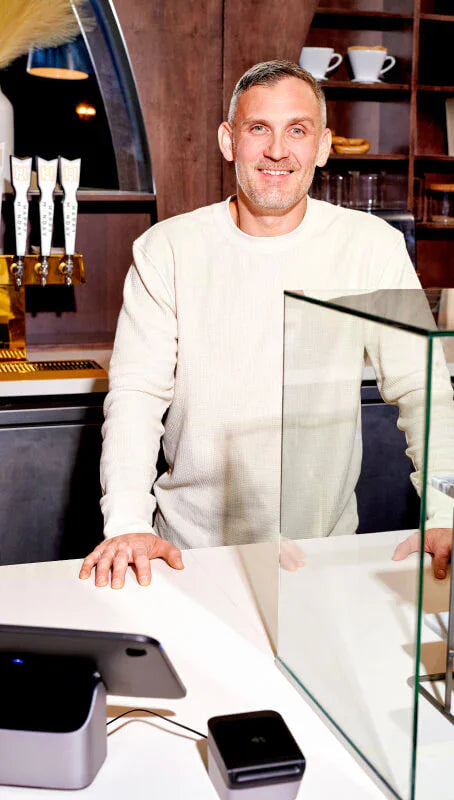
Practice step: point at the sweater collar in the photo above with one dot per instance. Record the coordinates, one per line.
(264, 243)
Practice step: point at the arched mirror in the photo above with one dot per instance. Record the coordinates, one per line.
(98, 118)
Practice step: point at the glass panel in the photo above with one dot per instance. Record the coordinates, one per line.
(428, 311)
(436, 711)
(348, 616)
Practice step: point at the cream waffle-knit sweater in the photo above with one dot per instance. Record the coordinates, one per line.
(200, 340)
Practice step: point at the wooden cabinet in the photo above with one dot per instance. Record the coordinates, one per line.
(404, 117)
(386, 498)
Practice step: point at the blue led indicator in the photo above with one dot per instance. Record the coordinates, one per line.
(18, 660)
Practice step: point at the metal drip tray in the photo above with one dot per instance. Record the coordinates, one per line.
(41, 370)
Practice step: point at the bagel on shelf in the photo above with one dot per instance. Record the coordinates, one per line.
(350, 147)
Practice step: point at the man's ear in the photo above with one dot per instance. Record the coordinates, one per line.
(324, 148)
(225, 139)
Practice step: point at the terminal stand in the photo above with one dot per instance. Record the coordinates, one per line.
(52, 721)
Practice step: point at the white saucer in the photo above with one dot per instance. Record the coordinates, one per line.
(363, 80)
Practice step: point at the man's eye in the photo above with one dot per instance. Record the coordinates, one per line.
(298, 131)
(258, 128)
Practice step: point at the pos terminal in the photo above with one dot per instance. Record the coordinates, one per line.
(53, 708)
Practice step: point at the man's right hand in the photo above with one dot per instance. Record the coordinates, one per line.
(131, 548)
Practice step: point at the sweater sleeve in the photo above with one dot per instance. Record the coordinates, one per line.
(141, 384)
(400, 359)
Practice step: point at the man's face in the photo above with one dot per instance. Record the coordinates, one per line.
(277, 142)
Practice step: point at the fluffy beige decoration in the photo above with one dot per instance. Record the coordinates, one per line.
(27, 24)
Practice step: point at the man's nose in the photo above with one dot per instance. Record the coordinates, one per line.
(276, 148)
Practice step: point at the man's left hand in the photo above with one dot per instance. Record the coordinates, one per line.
(291, 557)
(438, 542)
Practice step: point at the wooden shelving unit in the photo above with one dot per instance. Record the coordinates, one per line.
(403, 118)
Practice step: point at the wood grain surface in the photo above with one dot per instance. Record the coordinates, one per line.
(176, 53)
(187, 58)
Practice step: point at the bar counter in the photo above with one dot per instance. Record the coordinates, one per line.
(67, 385)
(64, 383)
(50, 446)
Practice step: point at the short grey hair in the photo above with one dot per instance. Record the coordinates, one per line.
(269, 72)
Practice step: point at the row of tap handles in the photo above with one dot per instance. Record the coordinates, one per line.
(47, 172)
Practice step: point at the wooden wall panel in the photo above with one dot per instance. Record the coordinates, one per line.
(187, 59)
(435, 258)
(176, 53)
(259, 30)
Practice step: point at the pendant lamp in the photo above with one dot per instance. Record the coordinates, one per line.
(69, 62)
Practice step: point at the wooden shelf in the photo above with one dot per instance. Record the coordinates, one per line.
(370, 157)
(434, 226)
(445, 89)
(349, 19)
(438, 17)
(349, 12)
(435, 158)
(362, 87)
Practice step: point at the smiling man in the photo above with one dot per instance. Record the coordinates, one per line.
(276, 138)
(199, 343)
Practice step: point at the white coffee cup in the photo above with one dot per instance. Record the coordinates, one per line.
(368, 63)
(317, 61)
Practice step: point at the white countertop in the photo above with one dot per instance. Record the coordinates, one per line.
(217, 621)
(211, 625)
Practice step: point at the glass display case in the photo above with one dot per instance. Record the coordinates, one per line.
(363, 621)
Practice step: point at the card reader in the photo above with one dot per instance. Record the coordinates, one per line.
(253, 756)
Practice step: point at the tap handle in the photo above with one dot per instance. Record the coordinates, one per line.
(21, 170)
(69, 179)
(47, 179)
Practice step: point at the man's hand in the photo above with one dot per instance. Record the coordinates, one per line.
(438, 542)
(132, 548)
(291, 555)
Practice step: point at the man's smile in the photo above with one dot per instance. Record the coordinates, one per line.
(276, 173)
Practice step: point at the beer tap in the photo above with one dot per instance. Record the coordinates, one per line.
(47, 178)
(69, 179)
(21, 170)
